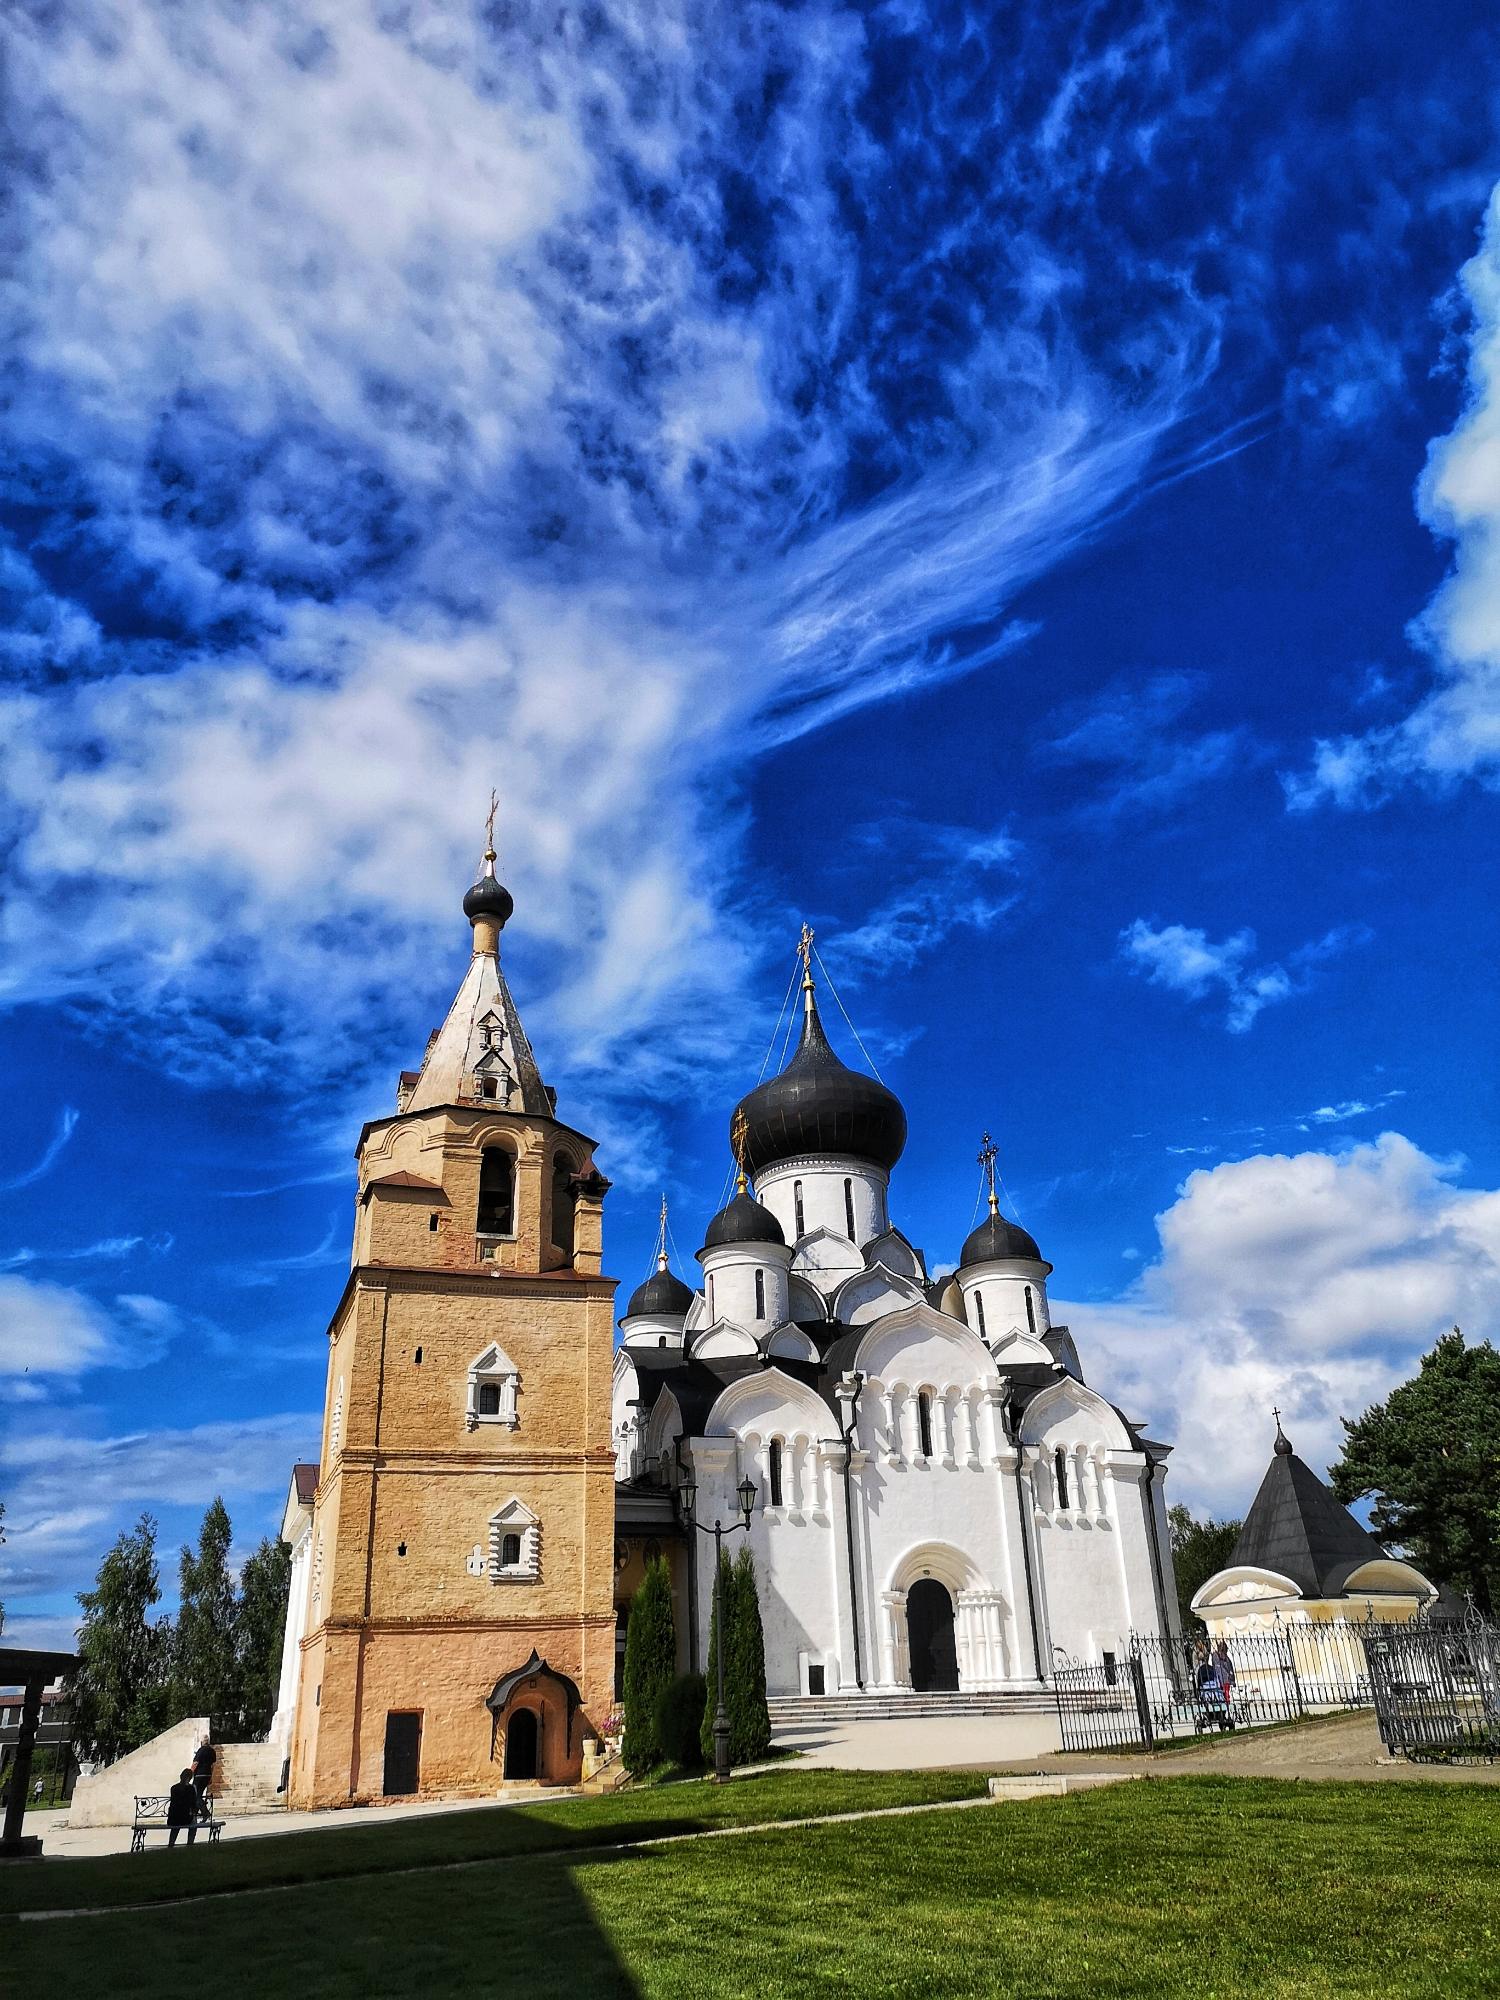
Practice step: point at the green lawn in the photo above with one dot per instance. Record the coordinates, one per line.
(1209, 1887)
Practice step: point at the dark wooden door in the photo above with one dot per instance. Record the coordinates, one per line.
(930, 1637)
(403, 1752)
(520, 1745)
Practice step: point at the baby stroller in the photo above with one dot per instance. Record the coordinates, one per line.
(1211, 1700)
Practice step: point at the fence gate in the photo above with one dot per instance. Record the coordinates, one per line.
(1104, 1705)
(1437, 1690)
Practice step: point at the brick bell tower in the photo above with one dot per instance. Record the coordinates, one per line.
(456, 1627)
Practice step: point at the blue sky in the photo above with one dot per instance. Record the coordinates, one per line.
(1018, 490)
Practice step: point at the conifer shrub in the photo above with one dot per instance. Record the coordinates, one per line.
(724, 1595)
(650, 1663)
(745, 1668)
(679, 1721)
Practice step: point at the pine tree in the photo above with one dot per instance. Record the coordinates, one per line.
(745, 1668)
(204, 1681)
(650, 1664)
(117, 1686)
(259, 1626)
(1428, 1458)
(723, 1594)
(1199, 1550)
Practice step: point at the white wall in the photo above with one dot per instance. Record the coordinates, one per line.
(822, 1181)
(1002, 1287)
(729, 1273)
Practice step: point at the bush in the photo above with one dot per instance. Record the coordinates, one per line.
(745, 1664)
(679, 1718)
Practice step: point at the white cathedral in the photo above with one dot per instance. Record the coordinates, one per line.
(943, 1503)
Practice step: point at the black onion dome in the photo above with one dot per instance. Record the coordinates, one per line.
(744, 1221)
(996, 1236)
(818, 1105)
(489, 898)
(663, 1294)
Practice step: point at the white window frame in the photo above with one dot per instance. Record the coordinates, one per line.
(515, 1518)
(495, 1367)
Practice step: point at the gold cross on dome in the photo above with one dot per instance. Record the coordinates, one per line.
(489, 824)
(739, 1133)
(804, 947)
(988, 1154)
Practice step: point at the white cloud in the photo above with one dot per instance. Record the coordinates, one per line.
(67, 1124)
(1129, 736)
(1454, 731)
(52, 1330)
(1312, 1281)
(1187, 961)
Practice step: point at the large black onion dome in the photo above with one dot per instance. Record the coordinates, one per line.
(817, 1105)
(663, 1294)
(744, 1221)
(997, 1236)
(489, 898)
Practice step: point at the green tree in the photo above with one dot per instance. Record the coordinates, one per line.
(1199, 1549)
(650, 1665)
(259, 1626)
(1428, 1458)
(723, 1595)
(116, 1687)
(745, 1668)
(204, 1678)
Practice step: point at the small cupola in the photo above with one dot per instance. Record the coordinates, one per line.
(1001, 1272)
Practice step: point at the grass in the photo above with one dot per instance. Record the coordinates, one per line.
(1211, 1887)
(366, 1843)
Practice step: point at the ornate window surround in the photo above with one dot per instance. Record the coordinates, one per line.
(515, 1518)
(493, 1368)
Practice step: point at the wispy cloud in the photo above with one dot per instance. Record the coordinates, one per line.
(1130, 736)
(106, 1249)
(1188, 961)
(67, 1125)
(54, 1330)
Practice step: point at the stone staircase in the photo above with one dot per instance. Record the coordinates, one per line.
(803, 1711)
(246, 1777)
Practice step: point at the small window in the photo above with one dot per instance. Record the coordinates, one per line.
(710, 1296)
(797, 1207)
(489, 1399)
(432, 1223)
(979, 1309)
(760, 1295)
(417, 1357)
(924, 1423)
(497, 1193)
(1111, 1670)
(849, 1208)
(510, 1551)
(774, 1471)
(1060, 1466)
(1030, 1311)
(488, 1086)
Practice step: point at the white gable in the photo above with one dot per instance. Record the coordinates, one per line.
(892, 1249)
(723, 1342)
(1069, 1414)
(869, 1295)
(824, 1256)
(770, 1404)
(917, 1344)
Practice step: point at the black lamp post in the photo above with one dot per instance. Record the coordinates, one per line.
(687, 1500)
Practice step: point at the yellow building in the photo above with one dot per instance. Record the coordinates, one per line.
(456, 1628)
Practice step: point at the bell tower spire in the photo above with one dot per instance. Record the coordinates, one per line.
(488, 904)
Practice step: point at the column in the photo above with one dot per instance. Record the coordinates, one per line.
(942, 1427)
(11, 1841)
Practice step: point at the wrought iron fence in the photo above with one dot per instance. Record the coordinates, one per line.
(1437, 1690)
(1160, 1690)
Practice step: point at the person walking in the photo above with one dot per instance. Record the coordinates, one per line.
(182, 1809)
(204, 1759)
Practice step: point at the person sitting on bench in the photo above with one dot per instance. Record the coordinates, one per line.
(182, 1810)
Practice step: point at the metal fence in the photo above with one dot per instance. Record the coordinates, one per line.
(1435, 1687)
(1160, 1690)
(1437, 1691)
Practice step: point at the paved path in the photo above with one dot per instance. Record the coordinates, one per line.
(920, 1742)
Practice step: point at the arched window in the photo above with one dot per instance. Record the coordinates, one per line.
(979, 1309)
(924, 1423)
(489, 1399)
(760, 1295)
(564, 1201)
(1060, 1467)
(1030, 1311)
(849, 1207)
(510, 1551)
(773, 1471)
(497, 1193)
(797, 1208)
(710, 1297)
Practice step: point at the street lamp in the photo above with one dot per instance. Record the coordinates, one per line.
(687, 1500)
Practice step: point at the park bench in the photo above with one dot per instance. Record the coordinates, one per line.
(151, 1813)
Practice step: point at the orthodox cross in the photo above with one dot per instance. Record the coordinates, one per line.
(661, 1237)
(739, 1133)
(1277, 1415)
(805, 953)
(988, 1154)
(489, 825)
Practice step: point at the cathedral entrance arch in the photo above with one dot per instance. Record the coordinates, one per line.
(932, 1639)
(521, 1744)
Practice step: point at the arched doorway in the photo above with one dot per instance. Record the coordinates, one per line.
(931, 1639)
(521, 1744)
